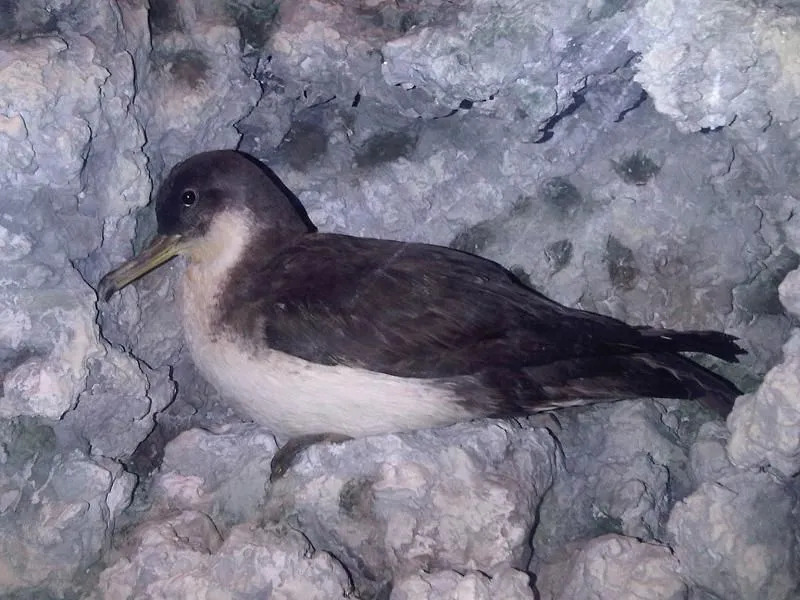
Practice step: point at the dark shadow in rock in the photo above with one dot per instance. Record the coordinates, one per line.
(190, 67)
(163, 17)
(561, 196)
(636, 169)
(760, 296)
(622, 269)
(386, 147)
(558, 254)
(303, 144)
(474, 239)
(254, 19)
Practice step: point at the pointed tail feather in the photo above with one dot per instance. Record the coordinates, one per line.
(716, 343)
(587, 380)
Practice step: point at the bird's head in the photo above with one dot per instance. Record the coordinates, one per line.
(201, 192)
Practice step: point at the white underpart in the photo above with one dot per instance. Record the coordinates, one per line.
(290, 395)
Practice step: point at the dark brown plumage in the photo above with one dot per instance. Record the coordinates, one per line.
(417, 310)
(476, 338)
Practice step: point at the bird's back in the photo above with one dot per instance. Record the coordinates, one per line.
(429, 312)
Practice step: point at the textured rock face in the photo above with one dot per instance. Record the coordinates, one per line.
(639, 159)
(623, 481)
(699, 70)
(720, 530)
(509, 584)
(58, 509)
(612, 566)
(184, 557)
(399, 508)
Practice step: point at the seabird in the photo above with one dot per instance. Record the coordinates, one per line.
(313, 333)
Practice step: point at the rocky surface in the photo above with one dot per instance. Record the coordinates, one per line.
(724, 543)
(221, 473)
(637, 158)
(57, 510)
(765, 424)
(509, 584)
(622, 479)
(399, 507)
(698, 59)
(612, 566)
(185, 557)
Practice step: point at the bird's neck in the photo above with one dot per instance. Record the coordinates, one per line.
(211, 259)
(223, 246)
(221, 260)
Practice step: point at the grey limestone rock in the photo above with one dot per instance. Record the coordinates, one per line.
(612, 567)
(195, 87)
(460, 498)
(48, 332)
(713, 64)
(638, 159)
(118, 408)
(765, 425)
(508, 584)
(221, 473)
(185, 557)
(623, 466)
(737, 537)
(790, 292)
(57, 509)
(708, 458)
(59, 98)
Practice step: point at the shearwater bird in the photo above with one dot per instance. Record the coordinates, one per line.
(312, 334)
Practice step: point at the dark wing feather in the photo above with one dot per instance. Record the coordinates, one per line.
(597, 378)
(418, 310)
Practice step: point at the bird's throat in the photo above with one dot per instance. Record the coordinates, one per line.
(214, 255)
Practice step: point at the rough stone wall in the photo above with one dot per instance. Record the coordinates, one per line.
(635, 158)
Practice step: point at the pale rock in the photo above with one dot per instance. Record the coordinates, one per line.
(726, 544)
(765, 425)
(460, 498)
(612, 567)
(185, 557)
(508, 584)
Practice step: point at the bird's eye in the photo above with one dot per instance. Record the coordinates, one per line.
(188, 198)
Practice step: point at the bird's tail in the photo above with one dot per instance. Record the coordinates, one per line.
(596, 379)
(716, 343)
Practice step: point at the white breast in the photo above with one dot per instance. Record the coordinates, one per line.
(290, 395)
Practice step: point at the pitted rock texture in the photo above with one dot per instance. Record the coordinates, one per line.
(612, 566)
(440, 585)
(393, 505)
(185, 557)
(639, 159)
(724, 545)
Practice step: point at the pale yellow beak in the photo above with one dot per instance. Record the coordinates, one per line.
(159, 251)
